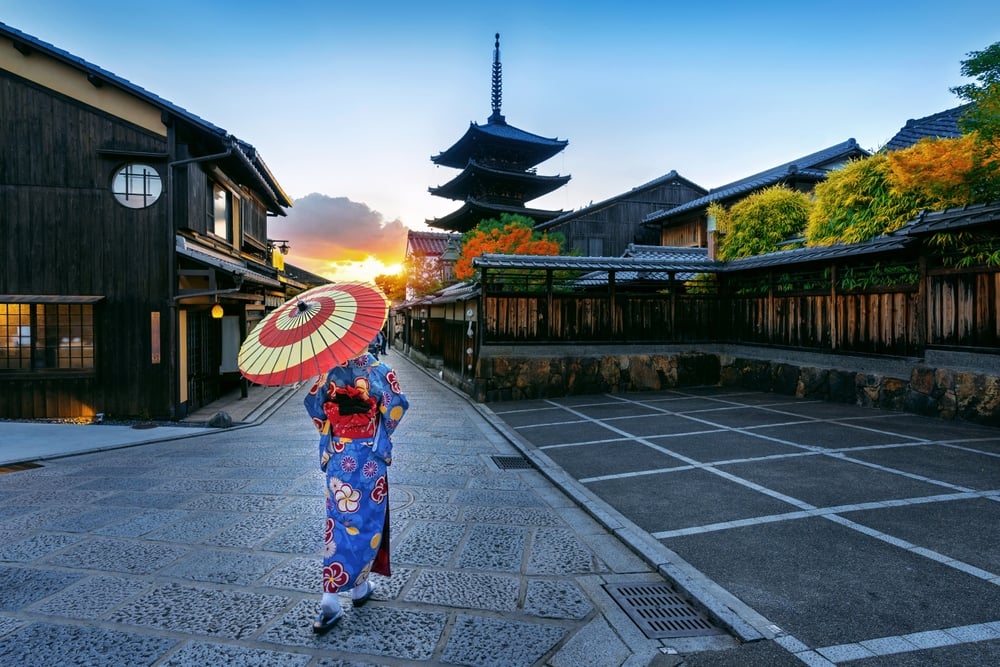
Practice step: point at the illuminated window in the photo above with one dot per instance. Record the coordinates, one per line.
(223, 212)
(136, 185)
(46, 336)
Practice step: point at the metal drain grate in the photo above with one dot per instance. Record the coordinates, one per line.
(512, 462)
(660, 612)
(17, 467)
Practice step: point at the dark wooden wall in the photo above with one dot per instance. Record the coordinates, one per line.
(64, 234)
(619, 223)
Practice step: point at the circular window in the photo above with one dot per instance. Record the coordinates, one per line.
(136, 185)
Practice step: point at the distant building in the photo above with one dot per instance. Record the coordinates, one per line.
(433, 255)
(687, 225)
(498, 169)
(608, 228)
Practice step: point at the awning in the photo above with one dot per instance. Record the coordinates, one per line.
(225, 264)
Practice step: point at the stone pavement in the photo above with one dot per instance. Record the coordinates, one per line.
(35, 441)
(205, 550)
(837, 535)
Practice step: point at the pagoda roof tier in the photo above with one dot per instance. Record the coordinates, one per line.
(473, 212)
(500, 143)
(483, 182)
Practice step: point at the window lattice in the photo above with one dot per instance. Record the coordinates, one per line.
(46, 336)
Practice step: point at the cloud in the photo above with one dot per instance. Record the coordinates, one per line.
(328, 234)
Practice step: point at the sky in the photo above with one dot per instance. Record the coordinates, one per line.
(347, 102)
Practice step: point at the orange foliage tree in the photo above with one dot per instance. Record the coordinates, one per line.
(510, 235)
(945, 172)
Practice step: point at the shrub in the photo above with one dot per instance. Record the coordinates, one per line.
(858, 203)
(761, 222)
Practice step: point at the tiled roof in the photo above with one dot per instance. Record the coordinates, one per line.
(526, 183)
(954, 218)
(666, 253)
(456, 292)
(449, 294)
(307, 278)
(808, 167)
(943, 124)
(428, 243)
(686, 263)
(783, 258)
(536, 148)
(506, 131)
(473, 212)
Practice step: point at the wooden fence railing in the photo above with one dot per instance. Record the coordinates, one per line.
(943, 307)
(565, 318)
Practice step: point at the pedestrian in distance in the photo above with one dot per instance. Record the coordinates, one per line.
(355, 407)
(377, 345)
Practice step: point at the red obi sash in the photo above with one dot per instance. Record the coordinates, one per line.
(352, 413)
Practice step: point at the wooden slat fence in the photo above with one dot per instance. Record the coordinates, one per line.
(962, 308)
(941, 307)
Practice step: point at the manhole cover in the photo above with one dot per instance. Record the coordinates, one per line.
(660, 612)
(512, 462)
(144, 425)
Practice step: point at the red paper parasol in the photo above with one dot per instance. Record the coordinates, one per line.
(308, 335)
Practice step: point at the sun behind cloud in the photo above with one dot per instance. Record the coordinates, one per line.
(340, 239)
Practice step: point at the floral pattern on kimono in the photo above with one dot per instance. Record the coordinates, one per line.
(356, 408)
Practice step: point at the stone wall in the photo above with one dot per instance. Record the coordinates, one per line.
(966, 388)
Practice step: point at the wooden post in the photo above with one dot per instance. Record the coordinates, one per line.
(483, 283)
(674, 335)
(770, 307)
(612, 320)
(833, 308)
(921, 321)
(548, 304)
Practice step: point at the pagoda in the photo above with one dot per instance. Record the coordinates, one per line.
(498, 169)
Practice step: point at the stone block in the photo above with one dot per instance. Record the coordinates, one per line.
(220, 419)
(922, 380)
(785, 379)
(892, 394)
(643, 376)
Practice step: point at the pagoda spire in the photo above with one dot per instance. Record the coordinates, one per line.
(496, 116)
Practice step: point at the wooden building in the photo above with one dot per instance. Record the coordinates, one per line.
(609, 227)
(135, 255)
(688, 224)
(431, 257)
(498, 169)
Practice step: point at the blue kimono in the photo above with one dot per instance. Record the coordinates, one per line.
(355, 409)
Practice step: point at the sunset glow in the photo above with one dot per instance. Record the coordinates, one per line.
(364, 270)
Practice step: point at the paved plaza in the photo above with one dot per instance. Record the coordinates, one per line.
(782, 532)
(205, 549)
(849, 536)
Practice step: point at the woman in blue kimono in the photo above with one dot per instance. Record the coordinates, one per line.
(355, 408)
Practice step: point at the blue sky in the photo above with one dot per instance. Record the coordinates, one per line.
(347, 102)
